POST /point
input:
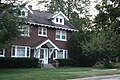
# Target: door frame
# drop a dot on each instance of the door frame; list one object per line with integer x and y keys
{"x": 45, "y": 55}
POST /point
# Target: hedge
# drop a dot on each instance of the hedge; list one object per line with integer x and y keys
{"x": 65, "y": 62}
{"x": 79, "y": 61}
{"x": 18, "y": 62}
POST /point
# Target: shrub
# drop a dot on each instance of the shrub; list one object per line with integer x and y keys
{"x": 65, "y": 62}
{"x": 18, "y": 62}
{"x": 84, "y": 61}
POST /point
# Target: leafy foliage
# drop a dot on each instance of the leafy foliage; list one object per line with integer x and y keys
{"x": 9, "y": 23}
{"x": 75, "y": 10}
{"x": 109, "y": 15}
{"x": 18, "y": 62}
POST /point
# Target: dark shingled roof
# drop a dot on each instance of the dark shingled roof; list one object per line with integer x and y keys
{"x": 41, "y": 17}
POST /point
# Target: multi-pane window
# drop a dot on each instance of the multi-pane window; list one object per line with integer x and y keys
{"x": 62, "y": 54}
{"x": 56, "y": 19}
{"x": 60, "y": 20}
{"x": 23, "y": 13}
{"x": 2, "y": 52}
{"x": 42, "y": 31}
{"x": 61, "y": 35}
{"x": 25, "y": 30}
{"x": 20, "y": 51}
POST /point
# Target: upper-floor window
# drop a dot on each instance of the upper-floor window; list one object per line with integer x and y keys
{"x": 23, "y": 13}
{"x": 42, "y": 31}
{"x": 56, "y": 19}
{"x": 59, "y": 20}
{"x": 20, "y": 51}
{"x": 2, "y": 52}
{"x": 61, "y": 35}
{"x": 25, "y": 30}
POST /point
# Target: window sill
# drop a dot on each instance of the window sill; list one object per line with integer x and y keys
{"x": 2, "y": 56}
{"x": 42, "y": 35}
{"x": 24, "y": 36}
{"x": 21, "y": 56}
{"x": 61, "y": 39}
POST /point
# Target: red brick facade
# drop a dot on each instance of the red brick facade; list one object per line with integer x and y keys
{"x": 35, "y": 39}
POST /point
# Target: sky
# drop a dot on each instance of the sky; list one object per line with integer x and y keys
{"x": 93, "y": 11}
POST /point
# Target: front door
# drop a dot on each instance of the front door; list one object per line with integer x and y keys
{"x": 44, "y": 55}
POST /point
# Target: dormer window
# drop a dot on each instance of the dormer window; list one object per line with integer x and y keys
{"x": 60, "y": 20}
{"x": 23, "y": 13}
{"x": 56, "y": 19}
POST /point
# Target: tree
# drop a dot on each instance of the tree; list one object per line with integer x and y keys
{"x": 76, "y": 53}
{"x": 104, "y": 45}
{"x": 75, "y": 10}
{"x": 9, "y": 23}
{"x": 109, "y": 14}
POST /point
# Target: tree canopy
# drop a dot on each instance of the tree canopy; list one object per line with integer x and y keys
{"x": 9, "y": 23}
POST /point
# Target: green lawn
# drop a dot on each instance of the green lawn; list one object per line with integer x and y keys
{"x": 52, "y": 74}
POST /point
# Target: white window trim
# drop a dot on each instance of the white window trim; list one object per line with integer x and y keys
{"x": 16, "y": 51}
{"x": 56, "y": 52}
{"x": 3, "y": 53}
{"x": 28, "y": 31}
{"x": 59, "y": 21}
{"x": 26, "y": 13}
{"x": 42, "y": 32}
{"x": 61, "y": 36}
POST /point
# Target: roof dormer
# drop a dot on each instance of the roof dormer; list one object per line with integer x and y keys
{"x": 23, "y": 13}
{"x": 58, "y": 18}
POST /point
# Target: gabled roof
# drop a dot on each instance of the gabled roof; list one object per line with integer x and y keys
{"x": 54, "y": 15}
{"x": 41, "y": 18}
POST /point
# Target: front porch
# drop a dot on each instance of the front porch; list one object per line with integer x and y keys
{"x": 46, "y": 51}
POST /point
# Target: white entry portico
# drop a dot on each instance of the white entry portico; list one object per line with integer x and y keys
{"x": 44, "y": 53}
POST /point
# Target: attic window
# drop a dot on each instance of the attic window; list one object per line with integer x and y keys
{"x": 56, "y": 19}
{"x": 60, "y": 20}
{"x": 23, "y": 13}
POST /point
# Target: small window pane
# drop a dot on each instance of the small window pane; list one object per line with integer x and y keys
{"x": 60, "y": 20}
{"x": 23, "y": 13}
{"x": 20, "y": 51}
{"x": 44, "y": 31}
{"x": 40, "y": 30}
{"x": 60, "y": 54}
{"x": 63, "y": 37}
{"x": 41, "y": 53}
{"x": 24, "y": 30}
{"x": 56, "y": 19}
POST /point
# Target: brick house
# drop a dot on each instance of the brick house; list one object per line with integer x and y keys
{"x": 44, "y": 36}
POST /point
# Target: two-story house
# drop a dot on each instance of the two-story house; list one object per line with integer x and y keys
{"x": 44, "y": 36}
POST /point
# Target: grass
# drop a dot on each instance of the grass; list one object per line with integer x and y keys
{"x": 52, "y": 74}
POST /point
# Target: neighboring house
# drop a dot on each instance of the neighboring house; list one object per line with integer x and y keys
{"x": 44, "y": 36}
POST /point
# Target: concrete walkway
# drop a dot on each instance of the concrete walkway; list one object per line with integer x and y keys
{"x": 108, "y": 77}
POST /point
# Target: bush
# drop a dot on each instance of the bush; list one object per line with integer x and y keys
{"x": 84, "y": 61}
{"x": 18, "y": 62}
{"x": 65, "y": 62}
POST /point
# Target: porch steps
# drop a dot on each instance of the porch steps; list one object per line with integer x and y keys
{"x": 48, "y": 66}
